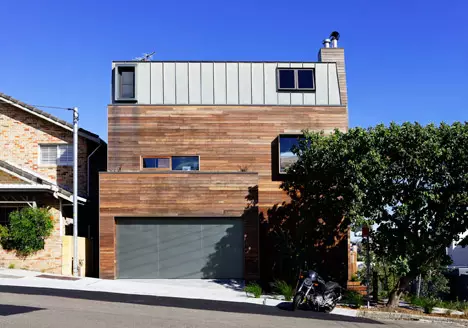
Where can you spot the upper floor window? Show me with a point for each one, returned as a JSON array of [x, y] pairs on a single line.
[[56, 155], [286, 156], [125, 83], [175, 163], [298, 79]]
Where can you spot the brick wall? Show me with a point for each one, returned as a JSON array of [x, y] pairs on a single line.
[[48, 260], [20, 136]]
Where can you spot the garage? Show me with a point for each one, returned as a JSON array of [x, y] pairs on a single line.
[[162, 248]]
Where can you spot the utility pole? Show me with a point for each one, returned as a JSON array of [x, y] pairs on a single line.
[[75, 191]]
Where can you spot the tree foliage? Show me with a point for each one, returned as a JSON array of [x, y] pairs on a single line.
[[409, 180], [27, 231]]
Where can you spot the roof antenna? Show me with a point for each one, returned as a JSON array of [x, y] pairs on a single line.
[[145, 57]]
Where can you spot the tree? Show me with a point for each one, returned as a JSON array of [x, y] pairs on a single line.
[[410, 180]]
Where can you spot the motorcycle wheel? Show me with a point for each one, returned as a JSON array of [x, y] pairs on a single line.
[[297, 301], [329, 309]]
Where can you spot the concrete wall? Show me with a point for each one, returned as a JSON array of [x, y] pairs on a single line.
[[229, 83]]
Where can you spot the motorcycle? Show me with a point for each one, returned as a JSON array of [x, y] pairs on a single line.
[[314, 292]]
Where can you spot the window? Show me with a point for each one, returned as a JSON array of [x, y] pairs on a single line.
[[175, 163], [156, 163], [125, 83], [295, 79], [185, 163], [286, 156], [56, 155]]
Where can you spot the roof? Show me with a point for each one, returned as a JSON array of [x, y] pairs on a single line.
[[64, 124], [34, 181]]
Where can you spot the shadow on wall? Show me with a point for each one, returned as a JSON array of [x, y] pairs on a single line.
[[228, 264], [227, 260], [293, 238]]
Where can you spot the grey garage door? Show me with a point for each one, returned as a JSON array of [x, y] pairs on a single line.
[[179, 248]]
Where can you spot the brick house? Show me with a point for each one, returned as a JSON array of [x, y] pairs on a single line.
[[36, 169], [197, 151]]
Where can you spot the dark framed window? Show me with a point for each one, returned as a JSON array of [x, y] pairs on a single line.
[[156, 163], [174, 163], [185, 163], [297, 79], [125, 83], [286, 155]]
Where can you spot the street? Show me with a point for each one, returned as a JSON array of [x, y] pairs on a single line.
[[33, 310]]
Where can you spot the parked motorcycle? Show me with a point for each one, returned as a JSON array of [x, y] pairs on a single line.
[[313, 292]]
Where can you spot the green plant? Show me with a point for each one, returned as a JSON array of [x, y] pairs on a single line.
[[353, 298], [354, 278], [11, 266], [28, 230], [282, 287], [429, 304], [403, 178], [254, 289]]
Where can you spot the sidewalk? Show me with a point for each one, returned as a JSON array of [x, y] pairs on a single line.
[[230, 291]]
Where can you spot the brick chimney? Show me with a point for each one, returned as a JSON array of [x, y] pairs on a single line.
[[334, 54]]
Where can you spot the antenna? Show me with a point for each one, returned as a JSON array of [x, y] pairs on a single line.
[[145, 57]]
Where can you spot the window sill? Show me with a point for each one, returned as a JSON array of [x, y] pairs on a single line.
[[126, 100]]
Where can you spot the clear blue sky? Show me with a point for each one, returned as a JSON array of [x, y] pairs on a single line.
[[407, 60]]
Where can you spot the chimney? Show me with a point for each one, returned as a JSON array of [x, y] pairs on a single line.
[[334, 54]]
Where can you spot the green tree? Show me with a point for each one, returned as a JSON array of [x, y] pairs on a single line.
[[410, 180], [27, 231]]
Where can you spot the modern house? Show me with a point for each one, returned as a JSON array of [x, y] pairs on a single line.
[[36, 170], [197, 151]]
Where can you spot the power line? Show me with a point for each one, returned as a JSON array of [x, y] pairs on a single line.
[[54, 107]]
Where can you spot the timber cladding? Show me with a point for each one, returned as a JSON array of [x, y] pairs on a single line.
[[176, 194], [226, 138]]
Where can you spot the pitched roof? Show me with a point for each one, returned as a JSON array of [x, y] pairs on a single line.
[[64, 124], [33, 179]]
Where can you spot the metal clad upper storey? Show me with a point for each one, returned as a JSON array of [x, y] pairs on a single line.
[[228, 83]]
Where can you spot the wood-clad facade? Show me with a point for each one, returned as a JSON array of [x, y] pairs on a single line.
[[237, 147], [176, 195]]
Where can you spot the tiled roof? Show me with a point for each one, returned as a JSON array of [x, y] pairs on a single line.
[[84, 132]]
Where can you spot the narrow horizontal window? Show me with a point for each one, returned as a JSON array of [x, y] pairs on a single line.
[[185, 163], [286, 155], [156, 163]]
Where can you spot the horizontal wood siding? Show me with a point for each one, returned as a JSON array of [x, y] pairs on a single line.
[[176, 194], [225, 137]]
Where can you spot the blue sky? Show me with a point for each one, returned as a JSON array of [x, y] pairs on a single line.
[[406, 60]]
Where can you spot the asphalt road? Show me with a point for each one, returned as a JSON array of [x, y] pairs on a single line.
[[22, 307]]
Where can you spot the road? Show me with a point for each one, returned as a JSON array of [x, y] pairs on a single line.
[[35, 310]]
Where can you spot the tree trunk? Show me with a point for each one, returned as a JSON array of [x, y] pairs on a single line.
[[395, 294]]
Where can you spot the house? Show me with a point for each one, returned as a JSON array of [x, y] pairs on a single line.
[[197, 151], [36, 169]]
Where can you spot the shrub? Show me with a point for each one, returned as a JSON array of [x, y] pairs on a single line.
[[427, 303], [282, 287], [353, 298], [28, 230], [11, 266], [354, 278], [254, 289]]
